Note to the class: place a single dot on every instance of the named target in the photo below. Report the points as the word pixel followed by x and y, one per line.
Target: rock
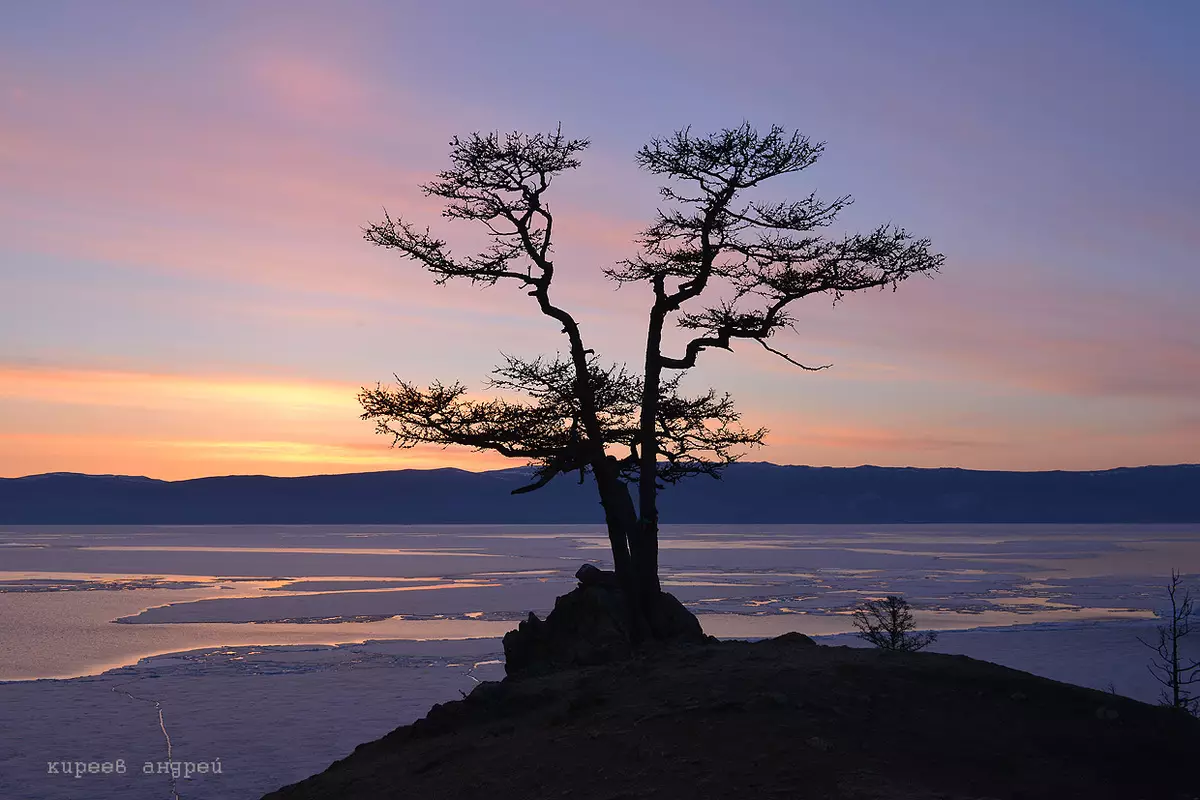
pixel 591 575
pixel 590 625
pixel 795 639
pixel 486 693
pixel 671 622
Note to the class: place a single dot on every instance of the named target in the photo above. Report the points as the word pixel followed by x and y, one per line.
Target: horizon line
pixel 67 473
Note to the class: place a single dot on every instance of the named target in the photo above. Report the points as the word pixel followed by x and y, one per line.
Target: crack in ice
pixel 470 672
pixel 162 725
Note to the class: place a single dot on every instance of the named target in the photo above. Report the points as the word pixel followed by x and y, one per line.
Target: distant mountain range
pixel 748 493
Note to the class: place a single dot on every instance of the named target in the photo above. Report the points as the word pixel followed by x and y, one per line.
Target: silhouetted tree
pixel 722 267
pixel 889 624
pixel 1169 666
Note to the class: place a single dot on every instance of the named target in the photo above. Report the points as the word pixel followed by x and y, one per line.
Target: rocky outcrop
pixel 590 625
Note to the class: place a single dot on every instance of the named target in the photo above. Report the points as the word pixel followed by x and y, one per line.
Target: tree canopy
pixel 722 266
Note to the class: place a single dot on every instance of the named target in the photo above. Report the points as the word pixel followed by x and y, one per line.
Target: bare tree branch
pixel 791 360
pixel 1170 667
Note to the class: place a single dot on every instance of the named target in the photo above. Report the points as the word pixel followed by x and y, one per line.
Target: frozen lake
pixel 277 649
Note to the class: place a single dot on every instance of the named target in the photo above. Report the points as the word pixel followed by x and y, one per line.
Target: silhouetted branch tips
pixel 698 435
pixel 888 624
pixel 499 182
pixel 791 360
pixel 763 255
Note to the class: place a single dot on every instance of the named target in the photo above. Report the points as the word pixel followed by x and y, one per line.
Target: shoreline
pixel 775 625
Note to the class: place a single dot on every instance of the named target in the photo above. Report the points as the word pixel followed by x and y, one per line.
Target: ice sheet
pixel 1068 602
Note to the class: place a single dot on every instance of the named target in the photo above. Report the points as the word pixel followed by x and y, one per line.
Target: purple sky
pixel 185 290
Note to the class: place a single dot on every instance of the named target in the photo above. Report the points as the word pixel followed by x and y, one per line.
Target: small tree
pixel 889 624
pixel 1168 666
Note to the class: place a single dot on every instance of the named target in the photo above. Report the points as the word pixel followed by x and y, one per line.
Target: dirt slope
pixel 777 719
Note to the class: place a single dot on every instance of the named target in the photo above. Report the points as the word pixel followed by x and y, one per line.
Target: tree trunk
pixel 621 520
pixel 644 547
pixel 1175 674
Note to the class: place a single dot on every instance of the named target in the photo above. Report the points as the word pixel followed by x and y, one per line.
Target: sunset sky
pixel 185 291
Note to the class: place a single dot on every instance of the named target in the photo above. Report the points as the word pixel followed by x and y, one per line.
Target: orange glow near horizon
pixel 174 427
pixel 130 389
pixel 204 425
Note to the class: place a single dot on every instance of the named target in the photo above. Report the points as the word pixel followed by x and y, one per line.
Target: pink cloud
pixel 233 200
pixel 309 88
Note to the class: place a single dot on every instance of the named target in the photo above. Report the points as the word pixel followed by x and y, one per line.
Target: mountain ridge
pixel 749 492
pixel 526 470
